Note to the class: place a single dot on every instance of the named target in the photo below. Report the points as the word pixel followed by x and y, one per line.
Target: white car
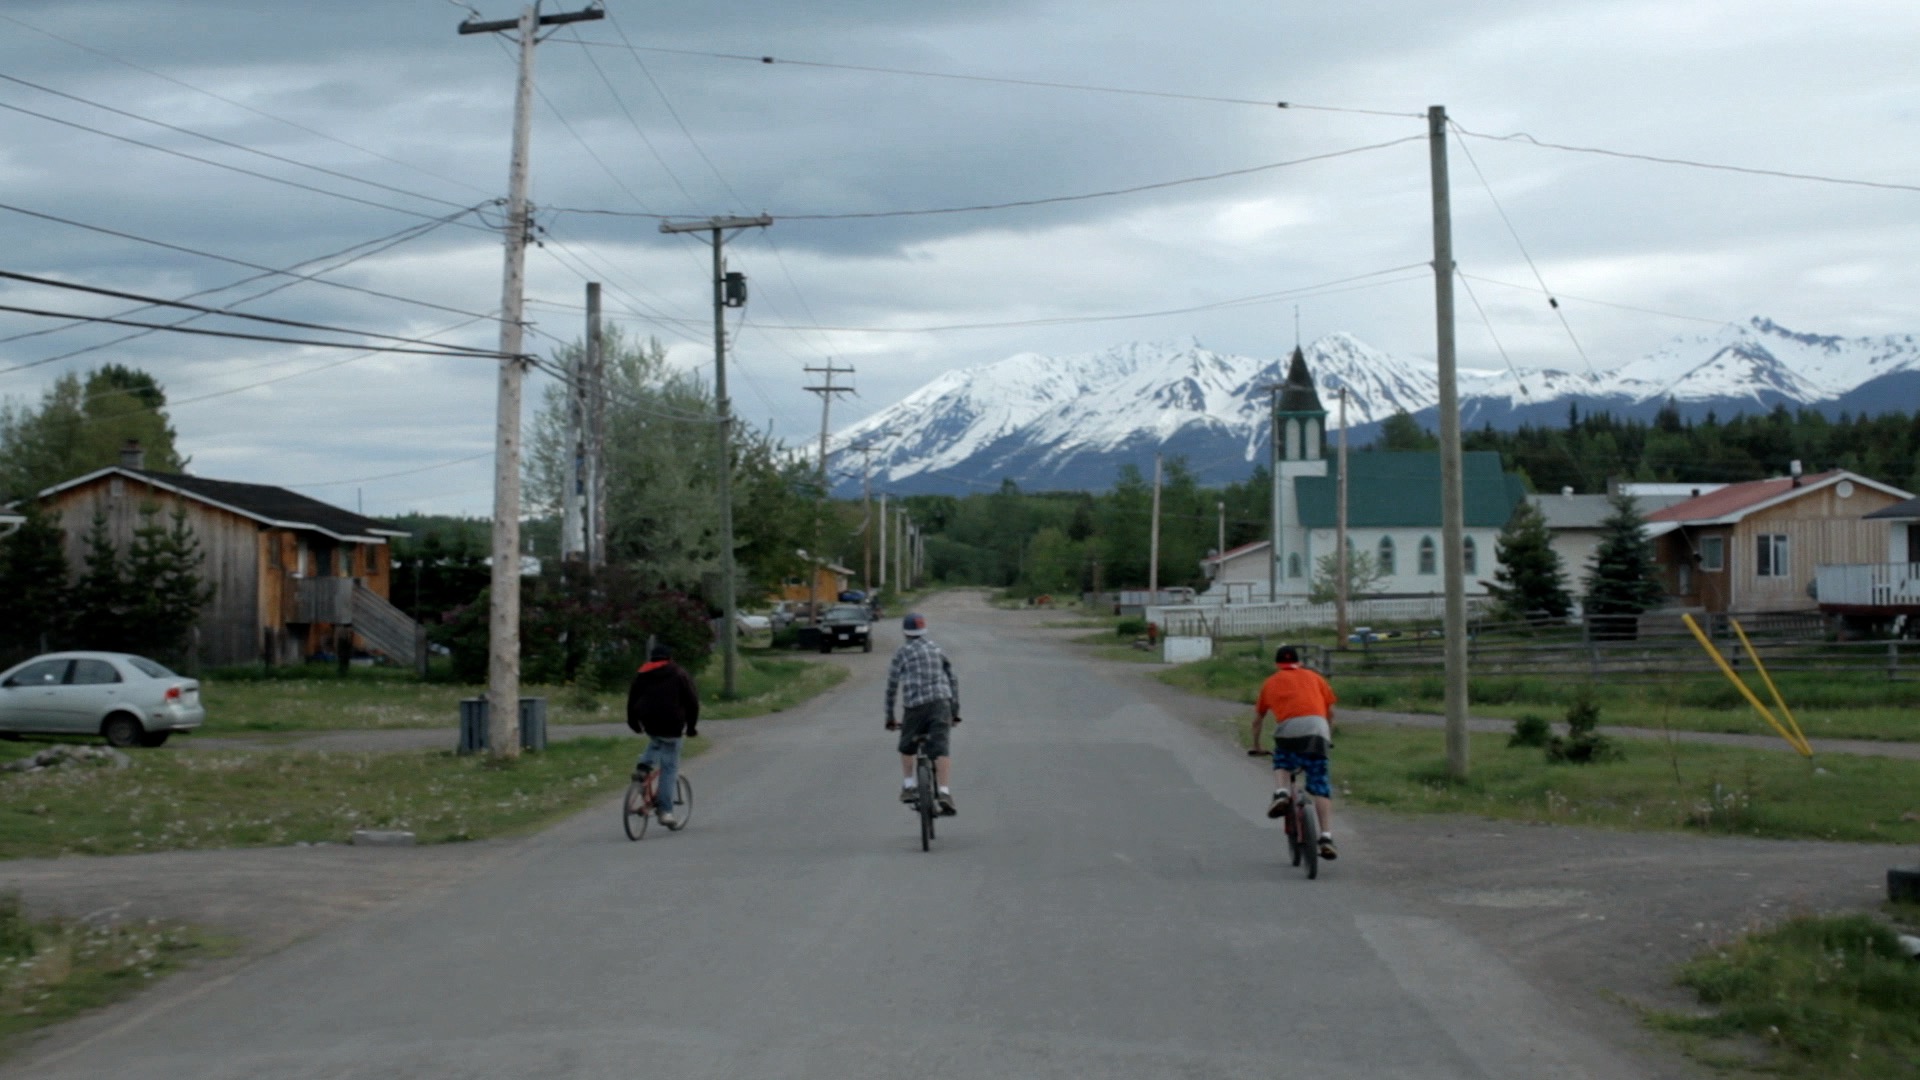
pixel 748 623
pixel 127 700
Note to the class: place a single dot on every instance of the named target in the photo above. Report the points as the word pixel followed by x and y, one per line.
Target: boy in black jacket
pixel 662 704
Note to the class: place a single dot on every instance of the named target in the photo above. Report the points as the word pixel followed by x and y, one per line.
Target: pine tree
pixel 166 592
pixel 1622 579
pixel 100 615
pixel 33 578
pixel 1530 581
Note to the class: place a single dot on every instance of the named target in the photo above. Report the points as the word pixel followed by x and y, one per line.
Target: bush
pixel 591 631
pixel 1531 730
pixel 1131 627
pixel 1582 745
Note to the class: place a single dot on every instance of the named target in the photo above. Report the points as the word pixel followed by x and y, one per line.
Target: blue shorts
pixel 1314 767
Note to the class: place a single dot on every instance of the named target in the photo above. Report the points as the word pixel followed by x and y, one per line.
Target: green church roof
pixel 1401 489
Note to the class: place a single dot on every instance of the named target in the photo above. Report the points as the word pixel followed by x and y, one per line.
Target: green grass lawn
pixel 1678 787
pixel 374 699
pixel 1849 706
pixel 218 799
pixel 53 969
pixel 1830 997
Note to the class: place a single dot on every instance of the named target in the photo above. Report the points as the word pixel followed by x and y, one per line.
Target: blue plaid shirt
pixel 920 673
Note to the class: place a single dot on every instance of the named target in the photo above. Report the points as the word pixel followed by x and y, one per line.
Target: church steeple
pixel 1299 420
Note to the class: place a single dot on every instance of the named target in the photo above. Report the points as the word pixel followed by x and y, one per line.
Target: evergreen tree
pixel 99 612
pixel 165 589
pixel 1529 580
pixel 1402 432
pixel 33 578
pixel 1622 580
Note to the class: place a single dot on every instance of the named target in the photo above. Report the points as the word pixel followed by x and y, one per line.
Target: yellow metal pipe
pixel 1727 670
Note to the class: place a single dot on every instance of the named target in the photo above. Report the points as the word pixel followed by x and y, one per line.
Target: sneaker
pixel 1279 806
pixel 672 822
pixel 1326 849
pixel 641 772
pixel 909 795
pixel 946 804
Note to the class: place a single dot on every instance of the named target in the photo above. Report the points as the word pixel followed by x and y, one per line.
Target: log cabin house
pixel 288 572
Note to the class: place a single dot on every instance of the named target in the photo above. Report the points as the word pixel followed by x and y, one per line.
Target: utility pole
pixel 575 515
pixel 866 452
pixel 882 528
pixel 826 393
pixel 729 290
pixel 596 422
pixel 1342 568
pixel 1153 543
pixel 1273 509
pixel 1452 499
pixel 503 614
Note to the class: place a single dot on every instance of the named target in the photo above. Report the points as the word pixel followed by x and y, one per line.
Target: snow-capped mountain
pixel 1069 422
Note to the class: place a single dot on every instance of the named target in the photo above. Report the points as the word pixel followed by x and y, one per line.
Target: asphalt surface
pixel 1111 902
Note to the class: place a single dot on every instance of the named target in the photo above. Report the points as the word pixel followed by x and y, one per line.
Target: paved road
pixel 1110 903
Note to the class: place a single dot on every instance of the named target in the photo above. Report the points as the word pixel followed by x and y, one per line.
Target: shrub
pixel 1582 745
pixel 1131 627
pixel 1531 730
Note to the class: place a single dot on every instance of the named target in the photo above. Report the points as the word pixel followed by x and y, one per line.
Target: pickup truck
pixel 846 625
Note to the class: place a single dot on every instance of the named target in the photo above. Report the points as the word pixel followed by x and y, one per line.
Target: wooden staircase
pixel 384 628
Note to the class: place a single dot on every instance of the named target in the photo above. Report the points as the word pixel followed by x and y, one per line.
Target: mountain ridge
pixel 1069 422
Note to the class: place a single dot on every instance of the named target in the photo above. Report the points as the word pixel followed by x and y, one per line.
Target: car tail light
pixel 173 693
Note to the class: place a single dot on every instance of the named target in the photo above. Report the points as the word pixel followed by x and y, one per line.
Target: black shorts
pixel 935 719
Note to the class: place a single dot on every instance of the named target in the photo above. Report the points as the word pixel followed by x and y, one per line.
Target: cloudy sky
pixel 169 147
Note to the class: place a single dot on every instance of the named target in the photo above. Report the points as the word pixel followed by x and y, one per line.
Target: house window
pixel 1770 555
pixel 1713 554
pixel 1427 560
pixel 1470 555
pixel 1293 564
pixel 1386 555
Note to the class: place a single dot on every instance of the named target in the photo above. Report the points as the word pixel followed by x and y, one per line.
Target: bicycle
pixel 637 809
pixel 926 791
pixel 1303 826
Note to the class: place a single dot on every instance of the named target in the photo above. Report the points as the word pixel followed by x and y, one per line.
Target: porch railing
pixel 1868 584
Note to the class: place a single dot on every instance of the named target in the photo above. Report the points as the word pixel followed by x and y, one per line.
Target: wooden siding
pixel 1821 529
pixel 229 544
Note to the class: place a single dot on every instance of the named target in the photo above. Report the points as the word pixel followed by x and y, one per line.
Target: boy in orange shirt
pixel 1302 706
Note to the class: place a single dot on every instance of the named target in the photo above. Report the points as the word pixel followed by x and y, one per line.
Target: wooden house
pixel 1756 546
pixel 288 572
pixel 1876 593
pixel 829 581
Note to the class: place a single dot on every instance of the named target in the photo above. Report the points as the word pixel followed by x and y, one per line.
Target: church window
pixel 1386 555
pixel 1471 555
pixel 1427 561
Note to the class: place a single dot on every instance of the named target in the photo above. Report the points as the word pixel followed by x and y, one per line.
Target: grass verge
pixel 1664 786
pixel 373 699
pixel 219 799
pixel 1835 707
pixel 54 969
pixel 1829 997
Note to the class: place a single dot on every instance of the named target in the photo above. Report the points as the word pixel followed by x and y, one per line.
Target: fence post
pixel 1893 661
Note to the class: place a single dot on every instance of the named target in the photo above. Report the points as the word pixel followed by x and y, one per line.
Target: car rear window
pixel 93 673
pixel 149 668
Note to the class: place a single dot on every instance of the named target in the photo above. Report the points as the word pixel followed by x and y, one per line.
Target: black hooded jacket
pixel 662 703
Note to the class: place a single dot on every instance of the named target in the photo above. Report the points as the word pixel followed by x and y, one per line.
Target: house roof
pixel 1401 488
pixel 1565 511
pixel 1234 553
pixel 264 503
pixel 1907 510
pixel 1734 502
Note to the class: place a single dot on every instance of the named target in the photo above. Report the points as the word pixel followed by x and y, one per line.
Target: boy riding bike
pixel 1302 706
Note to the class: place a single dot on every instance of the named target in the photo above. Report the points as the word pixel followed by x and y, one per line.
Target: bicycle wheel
pixel 1310 837
pixel 923 776
pixel 1293 837
pixel 633 810
pixel 682 802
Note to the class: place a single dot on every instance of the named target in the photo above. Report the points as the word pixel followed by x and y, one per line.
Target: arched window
pixel 1472 556
pixel 1293 564
pixel 1386 555
pixel 1427 561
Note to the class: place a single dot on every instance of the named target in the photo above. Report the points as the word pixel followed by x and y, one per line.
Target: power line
pixel 222 165
pixel 1267 103
pixel 283 378
pixel 402 472
pixel 103 230
pixel 631 121
pixel 243 105
pixel 1602 303
pixel 1044 201
pixel 154 301
pixel 1528 140
pixel 216 140
pixel 1528 256
pixel 176 329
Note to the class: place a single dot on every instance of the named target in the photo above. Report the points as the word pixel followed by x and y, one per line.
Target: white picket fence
pixel 1248 620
